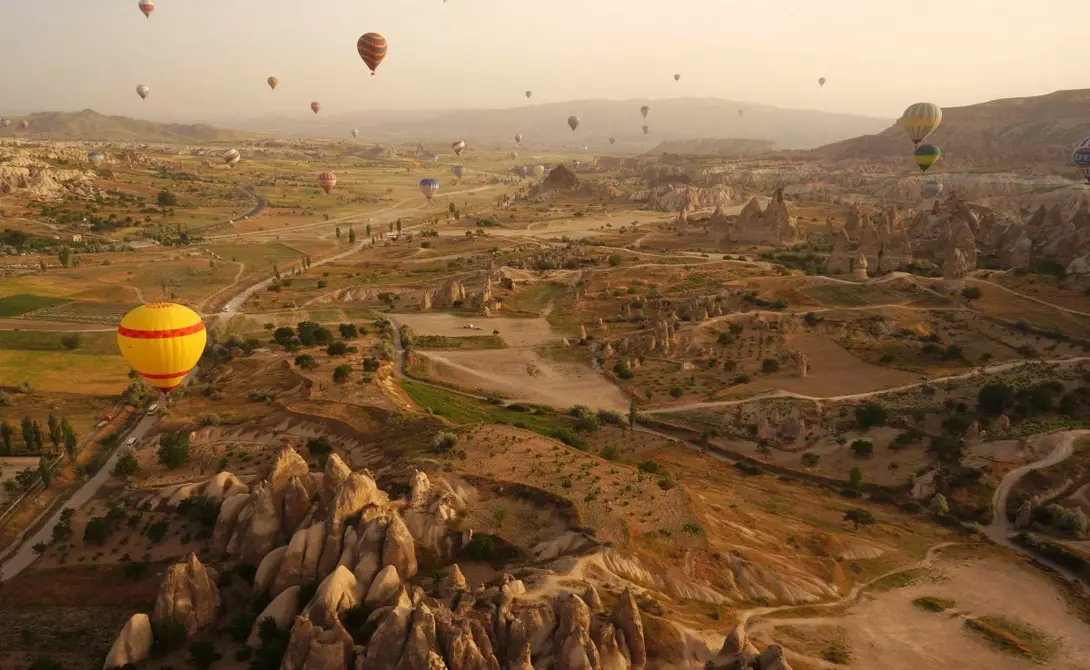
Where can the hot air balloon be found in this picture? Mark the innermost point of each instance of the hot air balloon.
(821, 81)
(612, 141)
(522, 171)
(414, 165)
(644, 110)
(5, 123)
(327, 180)
(435, 158)
(646, 130)
(355, 133)
(932, 189)
(24, 124)
(920, 120)
(315, 107)
(573, 122)
(677, 77)
(372, 49)
(162, 341)
(528, 94)
(539, 170)
(429, 187)
(143, 91)
(518, 138)
(273, 82)
(458, 170)
(231, 157)
(926, 156)
(147, 7)
(458, 147)
(96, 158)
(1081, 156)
(513, 155)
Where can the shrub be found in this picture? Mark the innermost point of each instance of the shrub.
(157, 531)
(202, 655)
(337, 349)
(341, 373)
(169, 635)
(862, 449)
(770, 365)
(70, 341)
(481, 547)
(443, 441)
(126, 465)
(747, 467)
(306, 362)
(870, 414)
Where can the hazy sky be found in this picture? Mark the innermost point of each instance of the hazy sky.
(208, 59)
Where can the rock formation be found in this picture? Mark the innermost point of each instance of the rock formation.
(188, 595)
(133, 645)
(773, 224)
(859, 268)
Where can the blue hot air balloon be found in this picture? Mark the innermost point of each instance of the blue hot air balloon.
(429, 187)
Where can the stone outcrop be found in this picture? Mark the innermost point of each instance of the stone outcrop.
(133, 644)
(189, 595)
(883, 242)
(773, 224)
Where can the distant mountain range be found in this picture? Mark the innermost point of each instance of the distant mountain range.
(1012, 131)
(546, 125)
(90, 125)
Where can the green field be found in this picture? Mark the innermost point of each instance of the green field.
(257, 256)
(96, 344)
(463, 410)
(67, 372)
(21, 303)
(468, 342)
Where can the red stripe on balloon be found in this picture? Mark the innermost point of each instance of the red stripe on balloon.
(160, 334)
(148, 375)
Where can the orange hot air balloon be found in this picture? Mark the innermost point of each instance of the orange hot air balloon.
(162, 341)
(372, 49)
(327, 180)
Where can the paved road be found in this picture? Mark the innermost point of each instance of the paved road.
(259, 206)
(26, 554)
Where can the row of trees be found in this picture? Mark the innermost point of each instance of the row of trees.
(34, 438)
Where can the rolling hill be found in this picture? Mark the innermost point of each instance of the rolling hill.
(90, 125)
(1039, 129)
(545, 125)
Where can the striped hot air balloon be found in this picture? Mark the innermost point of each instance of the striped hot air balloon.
(162, 341)
(232, 157)
(147, 7)
(429, 187)
(372, 49)
(327, 180)
(273, 82)
(96, 158)
(315, 106)
(1081, 156)
(926, 156)
(920, 120)
(458, 147)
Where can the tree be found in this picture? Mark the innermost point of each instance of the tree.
(283, 335)
(323, 336)
(398, 226)
(859, 517)
(27, 429)
(202, 655)
(939, 506)
(55, 434)
(348, 331)
(855, 477)
(862, 449)
(64, 256)
(970, 293)
(319, 447)
(41, 265)
(71, 442)
(341, 373)
(770, 365)
(391, 226)
(614, 260)
(368, 230)
(7, 434)
(632, 414)
(166, 199)
(351, 235)
(338, 232)
(45, 470)
(306, 362)
(173, 450)
(995, 399)
(70, 342)
(947, 448)
(870, 414)
(39, 436)
(337, 349)
(126, 465)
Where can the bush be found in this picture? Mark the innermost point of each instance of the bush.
(202, 655)
(569, 438)
(43, 662)
(870, 414)
(747, 467)
(995, 399)
(611, 453)
(337, 349)
(481, 547)
(169, 635)
(862, 449)
(306, 362)
(157, 531)
(348, 330)
(443, 441)
(614, 260)
(810, 460)
(650, 467)
(126, 465)
(341, 373)
(70, 341)
(770, 365)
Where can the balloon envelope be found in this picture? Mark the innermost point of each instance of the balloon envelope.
(539, 170)
(142, 91)
(932, 189)
(327, 180)
(315, 107)
(147, 7)
(926, 156)
(24, 124)
(612, 141)
(528, 94)
(821, 81)
(1081, 156)
(96, 159)
(273, 83)
(355, 133)
(677, 77)
(232, 157)
(162, 341)
(458, 170)
(573, 122)
(646, 129)
(372, 49)
(429, 187)
(458, 147)
(522, 171)
(518, 138)
(644, 110)
(920, 120)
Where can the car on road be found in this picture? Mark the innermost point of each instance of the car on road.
(153, 409)
(226, 308)
(131, 442)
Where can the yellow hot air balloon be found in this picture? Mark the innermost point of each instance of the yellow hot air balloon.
(920, 120)
(162, 341)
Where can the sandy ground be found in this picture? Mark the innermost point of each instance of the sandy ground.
(521, 374)
(833, 371)
(515, 332)
(887, 631)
